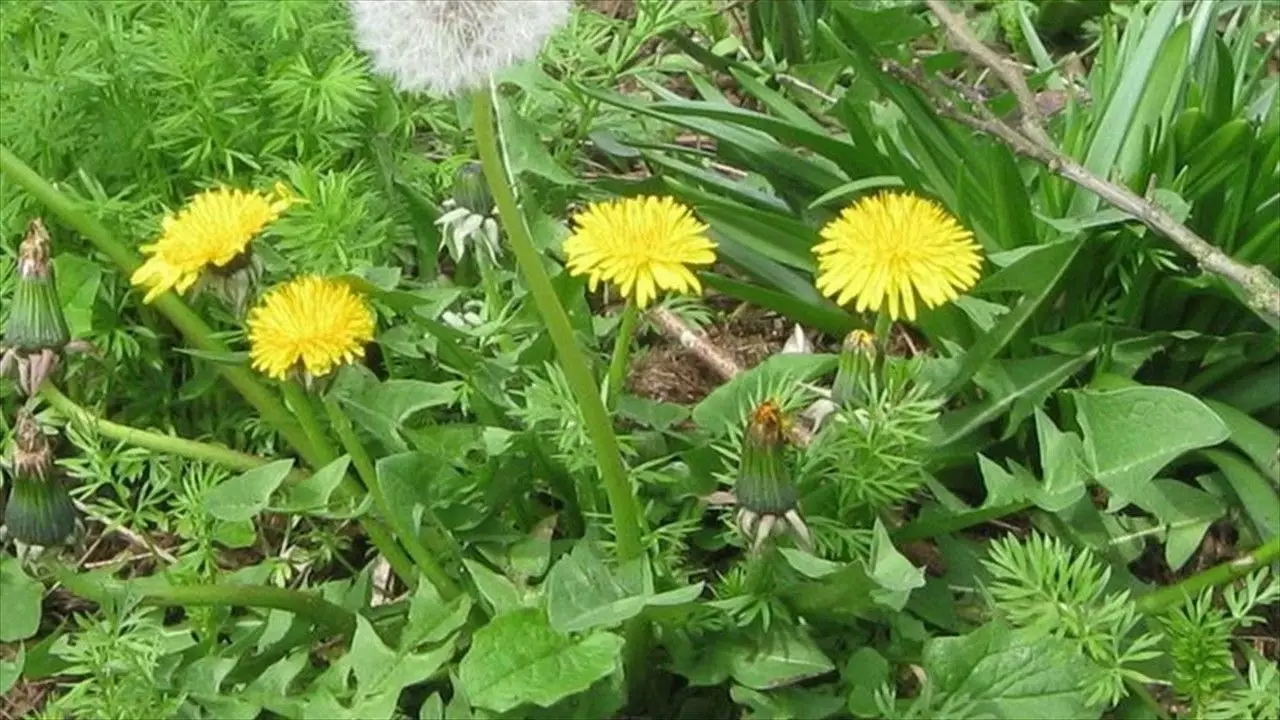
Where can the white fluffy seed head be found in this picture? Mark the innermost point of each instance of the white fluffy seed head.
(445, 46)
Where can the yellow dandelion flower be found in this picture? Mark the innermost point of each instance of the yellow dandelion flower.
(213, 229)
(312, 324)
(640, 245)
(895, 246)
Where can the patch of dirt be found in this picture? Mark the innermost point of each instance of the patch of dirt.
(668, 373)
(26, 698)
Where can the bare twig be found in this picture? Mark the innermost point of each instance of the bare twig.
(796, 82)
(1261, 289)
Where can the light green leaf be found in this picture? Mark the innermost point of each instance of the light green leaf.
(1131, 433)
(583, 593)
(1186, 511)
(380, 670)
(431, 619)
(719, 410)
(808, 564)
(496, 589)
(312, 494)
(793, 703)
(1012, 675)
(525, 151)
(1062, 458)
(892, 571)
(518, 658)
(20, 598)
(244, 496)
(783, 657)
(78, 280)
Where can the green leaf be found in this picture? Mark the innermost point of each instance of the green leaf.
(1011, 674)
(519, 658)
(525, 151)
(582, 593)
(856, 187)
(1062, 458)
(312, 494)
(379, 669)
(1131, 433)
(497, 590)
(1015, 387)
(21, 597)
(793, 703)
(1253, 438)
(722, 408)
(783, 657)
(431, 619)
(1258, 498)
(405, 479)
(78, 281)
(892, 571)
(865, 671)
(244, 496)
(1187, 512)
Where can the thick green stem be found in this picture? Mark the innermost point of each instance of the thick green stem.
(621, 352)
(191, 325)
(158, 442)
(299, 401)
(369, 476)
(311, 606)
(622, 500)
(1160, 600)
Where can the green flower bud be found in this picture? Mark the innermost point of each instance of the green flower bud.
(764, 482)
(854, 373)
(470, 190)
(36, 321)
(39, 511)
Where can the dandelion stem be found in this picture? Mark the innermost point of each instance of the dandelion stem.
(622, 500)
(300, 403)
(622, 352)
(308, 605)
(157, 442)
(1160, 600)
(369, 475)
(191, 325)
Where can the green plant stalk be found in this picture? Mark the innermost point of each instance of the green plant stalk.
(622, 352)
(1166, 597)
(622, 501)
(379, 534)
(299, 401)
(191, 325)
(158, 442)
(308, 605)
(369, 476)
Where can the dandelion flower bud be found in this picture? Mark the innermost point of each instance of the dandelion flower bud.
(35, 334)
(39, 511)
(856, 369)
(447, 46)
(765, 491)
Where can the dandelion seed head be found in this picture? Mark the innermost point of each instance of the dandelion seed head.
(447, 46)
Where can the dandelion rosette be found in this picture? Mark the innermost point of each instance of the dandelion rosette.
(891, 247)
(446, 46)
(212, 231)
(639, 245)
(309, 325)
